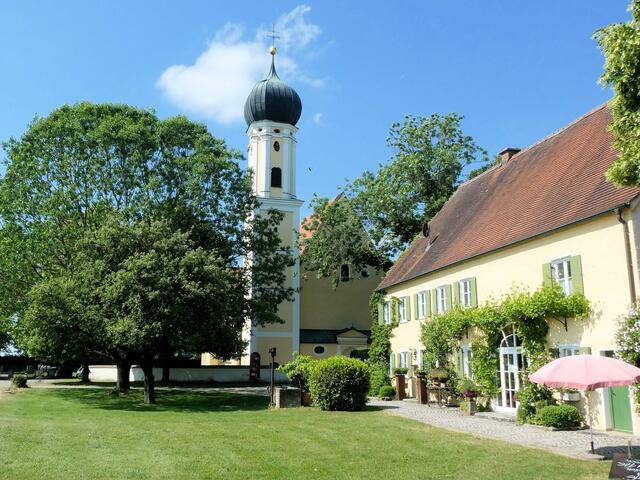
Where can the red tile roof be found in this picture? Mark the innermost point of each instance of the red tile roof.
(553, 183)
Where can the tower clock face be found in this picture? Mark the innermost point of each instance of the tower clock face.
(276, 146)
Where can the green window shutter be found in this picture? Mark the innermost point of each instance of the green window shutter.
(547, 280)
(434, 302)
(392, 362)
(447, 296)
(459, 362)
(576, 274)
(427, 303)
(474, 292)
(415, 306)
(585, 351)
(380, 313)
(407, 308)
(456, 293)
(398, 364)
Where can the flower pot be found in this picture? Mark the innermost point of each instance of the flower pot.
(306, 399)
(400, 384)
(473, 406)
(421, 390)
(571, 396)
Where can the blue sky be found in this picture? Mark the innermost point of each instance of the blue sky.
(517, 71)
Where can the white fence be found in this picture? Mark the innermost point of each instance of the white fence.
(220, 374)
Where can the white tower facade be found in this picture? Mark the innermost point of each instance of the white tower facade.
(271, 112)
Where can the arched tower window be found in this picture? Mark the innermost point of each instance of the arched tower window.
(276, 177)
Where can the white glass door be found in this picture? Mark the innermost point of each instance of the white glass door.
(511, 367)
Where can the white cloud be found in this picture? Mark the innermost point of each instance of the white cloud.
(218, 82)
(318, 118)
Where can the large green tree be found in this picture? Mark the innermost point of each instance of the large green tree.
(384, 210)
(336, 237)
(85, 165)
(620, 44)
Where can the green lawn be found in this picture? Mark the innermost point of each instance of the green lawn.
(69, 433)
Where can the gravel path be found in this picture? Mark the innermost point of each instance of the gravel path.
(570, 443)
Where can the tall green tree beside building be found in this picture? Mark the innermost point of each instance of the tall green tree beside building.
(384, 210)
(620, 43)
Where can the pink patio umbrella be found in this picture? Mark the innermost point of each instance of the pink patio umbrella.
(586, 372)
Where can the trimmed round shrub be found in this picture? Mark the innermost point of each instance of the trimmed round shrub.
(560, 416)
(387, 392)
(340, 383)
(19, 381)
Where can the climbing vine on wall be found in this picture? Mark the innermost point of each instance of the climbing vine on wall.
(523, 312)
(380, 347)
(628, 340)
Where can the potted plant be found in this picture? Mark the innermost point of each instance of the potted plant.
(570, 395)
(299, 371)
(421, 387)
(470, 392)
(400, 381)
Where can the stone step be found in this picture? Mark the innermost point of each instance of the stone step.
(499, 416)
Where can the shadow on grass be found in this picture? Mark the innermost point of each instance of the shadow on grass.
(167, 401)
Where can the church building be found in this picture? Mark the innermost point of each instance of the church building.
(320, 321)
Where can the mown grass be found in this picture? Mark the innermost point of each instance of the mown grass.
(87, 434)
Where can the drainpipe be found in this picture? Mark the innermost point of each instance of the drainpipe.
(627, 249)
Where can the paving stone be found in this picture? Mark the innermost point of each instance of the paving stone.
(570, 443)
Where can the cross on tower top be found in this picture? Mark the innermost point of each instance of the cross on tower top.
(273, 35)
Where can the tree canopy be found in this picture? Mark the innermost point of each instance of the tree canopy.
(620, 43)
(337, 237)
(118, 227)
(385, 210)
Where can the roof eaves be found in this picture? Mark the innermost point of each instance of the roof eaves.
(507, 245)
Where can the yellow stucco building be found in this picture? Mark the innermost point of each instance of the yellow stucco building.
(544, 211)
(320, 320)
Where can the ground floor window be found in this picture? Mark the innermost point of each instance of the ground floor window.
(465, 354)
(319, 349)
(568, 350)
(404, 360)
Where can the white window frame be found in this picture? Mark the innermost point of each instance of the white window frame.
(464, 290)
(404, 360)
(421, 359)
(568, 349)
(422, 305)
(441, 299)
(466, 361)
(564, 283)
(386, 312)
(402, 310)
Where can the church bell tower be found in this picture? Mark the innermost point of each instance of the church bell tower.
(271, 111)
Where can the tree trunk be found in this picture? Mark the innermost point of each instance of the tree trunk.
(149, 387)
(85, 372)
(166, 370)
(124, 371)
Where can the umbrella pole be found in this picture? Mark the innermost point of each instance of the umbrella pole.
(593, 450)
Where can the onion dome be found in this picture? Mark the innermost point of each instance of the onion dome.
(272, 99)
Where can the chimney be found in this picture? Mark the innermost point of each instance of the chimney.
(507, 153)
